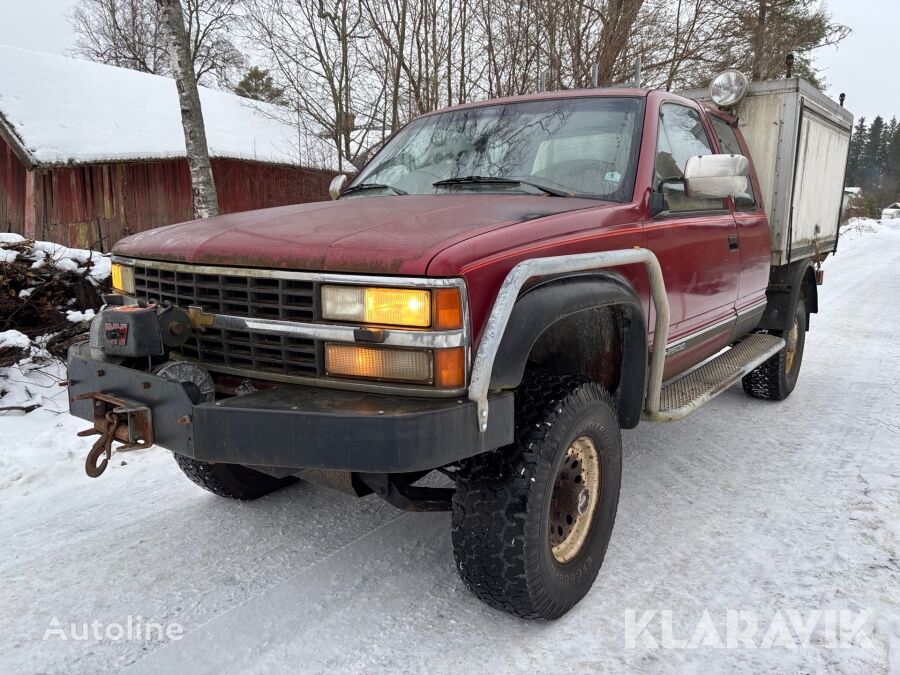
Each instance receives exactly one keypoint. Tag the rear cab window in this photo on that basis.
(728, 143)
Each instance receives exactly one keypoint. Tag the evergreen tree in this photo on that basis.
(873, 162)
(854, 173)
(258, 85)
(892, 150)
(872, 155)
(778, 27)
(891, 181)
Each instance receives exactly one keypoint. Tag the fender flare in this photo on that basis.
(785, 284)
(544, 304)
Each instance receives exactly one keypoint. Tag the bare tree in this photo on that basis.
(124, 33)
(317, 53)
(356, 70)
(210, 24)
(130, 34)
(203, 186)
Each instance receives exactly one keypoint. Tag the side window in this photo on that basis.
(681, 136)
(728, 142)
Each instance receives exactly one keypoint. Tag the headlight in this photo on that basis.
(123, 278)
(728, 88)
(412, 307)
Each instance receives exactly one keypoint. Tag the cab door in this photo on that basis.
(752, 230)
(696, 242)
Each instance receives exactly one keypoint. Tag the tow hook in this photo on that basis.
(115, 419)
(107, 430)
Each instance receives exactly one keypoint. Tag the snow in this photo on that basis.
(744, 506)
(79, 317)
(15, 339)
(68, 111)
(96, 265)
(39, 447)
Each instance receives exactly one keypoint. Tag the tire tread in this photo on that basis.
(490, 500)
(232, 481)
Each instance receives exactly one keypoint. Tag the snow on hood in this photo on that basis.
(65, 111)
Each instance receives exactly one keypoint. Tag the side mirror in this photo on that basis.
(338, 183)
(716, 176)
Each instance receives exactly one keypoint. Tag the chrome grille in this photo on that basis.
(256, 297)
(259, 297)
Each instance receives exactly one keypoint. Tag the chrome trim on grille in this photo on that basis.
(338, 333)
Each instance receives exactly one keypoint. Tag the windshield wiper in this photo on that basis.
(373, 186)
(498, 180)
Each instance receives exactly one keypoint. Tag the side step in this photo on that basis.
(685, 395)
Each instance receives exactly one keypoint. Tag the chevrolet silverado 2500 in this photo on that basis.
(503, 288)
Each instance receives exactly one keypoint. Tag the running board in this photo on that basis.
(685, 395)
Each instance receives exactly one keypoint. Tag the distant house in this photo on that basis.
(90, 153)
(852, 195)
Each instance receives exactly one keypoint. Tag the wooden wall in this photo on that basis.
(12, 190)
(93, 206)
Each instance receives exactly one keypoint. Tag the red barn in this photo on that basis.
(90, 153)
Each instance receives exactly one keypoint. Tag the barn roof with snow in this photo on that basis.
(61, 111)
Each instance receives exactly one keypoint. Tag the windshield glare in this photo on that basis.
(583, 146)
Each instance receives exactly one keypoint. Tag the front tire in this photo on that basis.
(775, 379)
(532, 521)
(233, 481)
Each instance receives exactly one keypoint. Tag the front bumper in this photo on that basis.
(299, 426)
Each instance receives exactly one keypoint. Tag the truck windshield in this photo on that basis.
(583, 147)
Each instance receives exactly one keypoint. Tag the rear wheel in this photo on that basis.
(776, 378)
(532, 521)
(230, 480)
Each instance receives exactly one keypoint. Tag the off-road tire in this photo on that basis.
(501, 508)
(230, 480)
(775, 379)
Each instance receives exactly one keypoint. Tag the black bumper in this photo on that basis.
(301, 427)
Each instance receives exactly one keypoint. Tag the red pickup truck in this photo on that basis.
(503, 287)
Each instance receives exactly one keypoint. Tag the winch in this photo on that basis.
(122, 331)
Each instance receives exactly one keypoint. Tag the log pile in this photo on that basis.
(49, 293)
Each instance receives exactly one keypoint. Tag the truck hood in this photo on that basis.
(388, 235)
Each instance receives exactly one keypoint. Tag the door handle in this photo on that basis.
(733, 242)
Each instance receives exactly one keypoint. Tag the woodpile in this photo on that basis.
(49, 293)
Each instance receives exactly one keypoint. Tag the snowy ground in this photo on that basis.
(766, 508)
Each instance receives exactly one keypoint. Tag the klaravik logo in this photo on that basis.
(748, 629)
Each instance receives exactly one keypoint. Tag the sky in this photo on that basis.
(861, 66)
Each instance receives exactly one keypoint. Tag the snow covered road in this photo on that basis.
(770, 509)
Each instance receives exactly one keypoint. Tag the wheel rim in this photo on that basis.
(573, 503)
(790, 350)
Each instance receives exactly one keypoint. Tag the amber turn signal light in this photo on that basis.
(450, 368)
(122, 278)
(447, 309)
